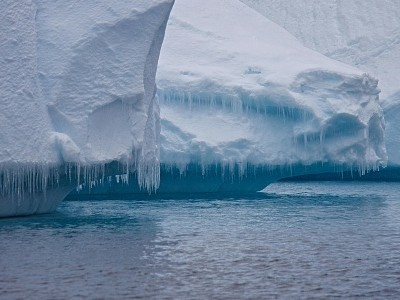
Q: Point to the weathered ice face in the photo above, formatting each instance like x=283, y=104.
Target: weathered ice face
x=77, y=88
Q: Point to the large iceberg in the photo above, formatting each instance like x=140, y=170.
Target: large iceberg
x=77, y=87
x=239, y=93
x=365, y=34
x=243, y=103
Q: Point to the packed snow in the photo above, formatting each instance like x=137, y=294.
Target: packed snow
x=77, y=84
x=246, y=92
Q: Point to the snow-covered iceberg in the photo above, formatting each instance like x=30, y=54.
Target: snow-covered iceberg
x=243, y=102
x=365, y=34
x=238, y=91
x=77, y=88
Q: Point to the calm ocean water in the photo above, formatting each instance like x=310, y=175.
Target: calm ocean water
x=298, y=240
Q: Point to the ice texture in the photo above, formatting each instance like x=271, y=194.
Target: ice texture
x=77, y=87
x=237, y=90
x=362, y=33
x=243, y=102
x=392, y=119
x=365, y=34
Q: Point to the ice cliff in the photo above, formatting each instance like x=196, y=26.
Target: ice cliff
x=392, y=118
x=365, y=34
x=77, y=88
x=236, y=90
x=243, y=103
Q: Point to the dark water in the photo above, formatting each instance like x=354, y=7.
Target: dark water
x=307, y=240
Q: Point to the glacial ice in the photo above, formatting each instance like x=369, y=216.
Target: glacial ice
x=365, y=34
x=77, y=83
x=243, y=103
x=392, y=120
x=247, y=93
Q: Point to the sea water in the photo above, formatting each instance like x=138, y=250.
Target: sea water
x=294, y=241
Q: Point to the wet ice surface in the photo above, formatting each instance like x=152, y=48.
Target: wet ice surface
x=298, y=240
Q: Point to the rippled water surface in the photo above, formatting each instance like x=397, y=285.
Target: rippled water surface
x=297, y=240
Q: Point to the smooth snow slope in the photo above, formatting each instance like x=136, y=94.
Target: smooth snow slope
x=238, y=90
x=363, y=33
x=77, y=88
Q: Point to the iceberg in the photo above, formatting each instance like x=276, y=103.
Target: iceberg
x=365, y=34
x=77, y=84
x=245, y=94
x=242, y=102
x=392, y=119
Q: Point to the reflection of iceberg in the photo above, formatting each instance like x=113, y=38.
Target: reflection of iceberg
x=82, y=239
x=77, y=87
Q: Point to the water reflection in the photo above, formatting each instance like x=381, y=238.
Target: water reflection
x=85, y=214
x=294, y=241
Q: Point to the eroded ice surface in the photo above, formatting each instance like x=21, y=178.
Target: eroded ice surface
x=239, y=98
x=392, y=119
x=365, y=34
x=77, y=87
x=246, y=92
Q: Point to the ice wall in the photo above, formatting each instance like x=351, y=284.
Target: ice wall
x=392, y=119
x=244, y=104
x=365, y=34
x=77, y=88
x=242, y=91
